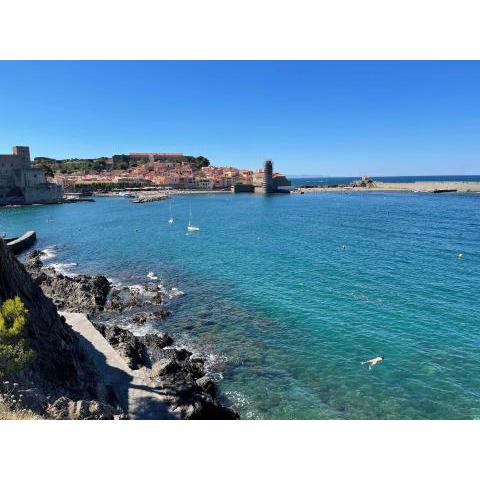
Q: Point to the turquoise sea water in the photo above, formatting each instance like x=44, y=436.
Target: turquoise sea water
x=285, y=313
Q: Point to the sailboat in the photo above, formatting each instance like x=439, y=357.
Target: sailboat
x=191, y=228
x=170, y=220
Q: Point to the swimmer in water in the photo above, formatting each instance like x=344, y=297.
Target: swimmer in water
x=373, y=361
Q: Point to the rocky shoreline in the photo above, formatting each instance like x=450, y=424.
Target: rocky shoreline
x=175, y=373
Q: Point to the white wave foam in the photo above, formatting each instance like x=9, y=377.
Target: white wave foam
x=64, y=268
x=148, y=292
x=137, y=289
x=48, y=253
x=240, y=401
x=175, y=292
x=152, y=276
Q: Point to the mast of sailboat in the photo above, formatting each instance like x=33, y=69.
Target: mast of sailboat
x=170, y=220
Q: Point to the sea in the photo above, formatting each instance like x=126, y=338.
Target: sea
x=286, y=295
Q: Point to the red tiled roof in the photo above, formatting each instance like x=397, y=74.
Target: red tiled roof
x=178, y=154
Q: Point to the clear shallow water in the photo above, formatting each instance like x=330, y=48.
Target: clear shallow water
x=285, y=313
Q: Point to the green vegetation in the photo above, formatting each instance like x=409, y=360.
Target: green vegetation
x=198, y=162
x=102, y=187
x=14, y=353
x=47, y=168
x=96, y=165
x=72, y=165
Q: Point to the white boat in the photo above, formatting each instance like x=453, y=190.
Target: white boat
x=170, y=220
x=191, y=227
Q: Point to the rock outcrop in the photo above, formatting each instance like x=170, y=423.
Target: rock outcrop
x=126, y=343
x=175, y=373
x=65, y=409
x=81, y=293
x=60, y=367
x=125, y=298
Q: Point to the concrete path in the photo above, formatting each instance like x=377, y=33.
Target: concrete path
x=131, y=386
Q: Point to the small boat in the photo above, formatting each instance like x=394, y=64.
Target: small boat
x=170, y=220
x=191, y=227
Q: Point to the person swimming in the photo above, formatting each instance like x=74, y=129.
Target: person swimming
x=373, y=361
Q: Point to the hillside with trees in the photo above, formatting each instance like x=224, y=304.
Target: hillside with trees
x=101, y=164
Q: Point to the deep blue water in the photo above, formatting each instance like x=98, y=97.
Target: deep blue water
x=296, y=181
x=285, y=313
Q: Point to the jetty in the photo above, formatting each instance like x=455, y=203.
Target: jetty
x=408, y=187
x=150, y=197
x=77, y=197
x=19, y=244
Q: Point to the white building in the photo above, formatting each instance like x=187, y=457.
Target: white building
x=22, y=184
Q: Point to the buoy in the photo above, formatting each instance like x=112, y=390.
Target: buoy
x=460, y=256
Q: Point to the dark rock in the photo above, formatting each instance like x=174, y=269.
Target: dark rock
x=141, y=318
x=67, y=409
x=81, y=293
x=158, y=341
x=33, y=399
x=157, y=298
x=59, y=303
x=182, y=354
x=115, y=302
x=163, y=313
x=34, y=260
x=126, y=343
x=123, y=298
x=207, y=385
x=212, y=411
x=165, y=367
x=196, y=368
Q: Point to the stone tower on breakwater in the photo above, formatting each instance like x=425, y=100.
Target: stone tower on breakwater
x=265, y=181
x=267, y=177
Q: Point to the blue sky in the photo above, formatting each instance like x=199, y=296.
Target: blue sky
x=330, y=118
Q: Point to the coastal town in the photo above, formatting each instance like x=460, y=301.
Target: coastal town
x=47, y=180
x=154, y=176
x=157, y=170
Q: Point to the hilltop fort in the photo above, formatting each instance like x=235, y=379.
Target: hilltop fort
x=22, y=184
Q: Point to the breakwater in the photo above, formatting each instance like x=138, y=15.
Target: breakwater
x=412, y=187
x=147, y=197
x=21, y=244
